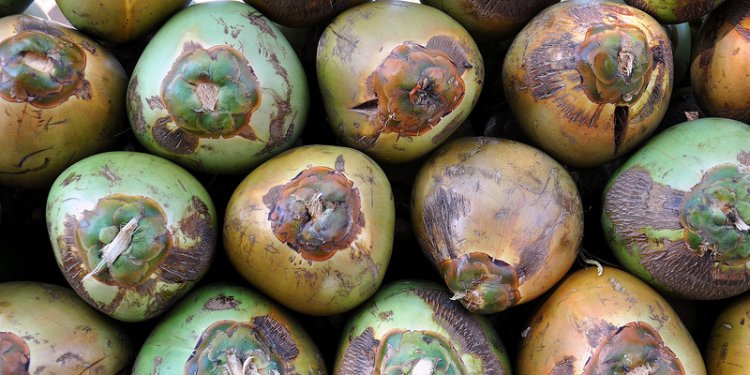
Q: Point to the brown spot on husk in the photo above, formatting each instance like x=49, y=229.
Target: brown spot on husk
x=277, y=336
x=84, y=90
x=635, y=202
x=463, y=330
x=744, y=158
x=156, y=367
x=545, y=75
x=453, y=49
x=181, y=264
x=359, y=356
x=21, y=169
x=107, y=173
x=172, y=138
x=221, y=303
x=561, y=208
x=442, y=210
x=259, y=20
x=35, y=24
x=190, y=46
x=278, y=136
x=154, y=102
x=136, y=107
x=564, y=366
x=270, y=198
x=71, y=178
x=15, y=357
x=595, y=329
x=340, y=164
x=385, y=315
x=70, y=359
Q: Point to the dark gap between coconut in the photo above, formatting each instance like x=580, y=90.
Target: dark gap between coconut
x=621, y=125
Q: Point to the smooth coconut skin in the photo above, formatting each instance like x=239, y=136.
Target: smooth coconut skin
x=676, y=11
x=500, y=220
x=413, y=327
x=46, y=329
x=395, y=92
x=718, y=75
x=489, y=21
x=302, y=13
x=118, y=21
x=61, y=99
x=589, y=81
x=161, y=214
x=313, y=228
x=218, y=89
x=726, y=349
x=608, y=323
x=208, y=327
x=675, y=212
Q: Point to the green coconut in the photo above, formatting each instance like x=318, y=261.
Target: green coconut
x=392, y=91
x=118, y=21
x=131, y=232
x=228, y=329
x=606, y=321
x=47, y=329
x=589, y=81
x=676, y=11
x=61, y=99
x=313, y=228
x=218, y=89
x=676, y=213
x=413, y=327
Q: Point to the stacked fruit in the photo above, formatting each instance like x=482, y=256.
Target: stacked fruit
x=453, y=187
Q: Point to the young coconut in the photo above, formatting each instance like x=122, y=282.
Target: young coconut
x=605, y=321
x=313, y=228
x=490, y=21
x=131, y=232
x=676, y=213
x=676, y=11
x=726, y=350
x=413, y=327
x=61, y=99
x=302, y=13
x=396, y=92
x=227, y=329
x=589, y=80
x=500, y=220
x=218, y=89
x=118, y=21
x=47, y=329
x=718, y=70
